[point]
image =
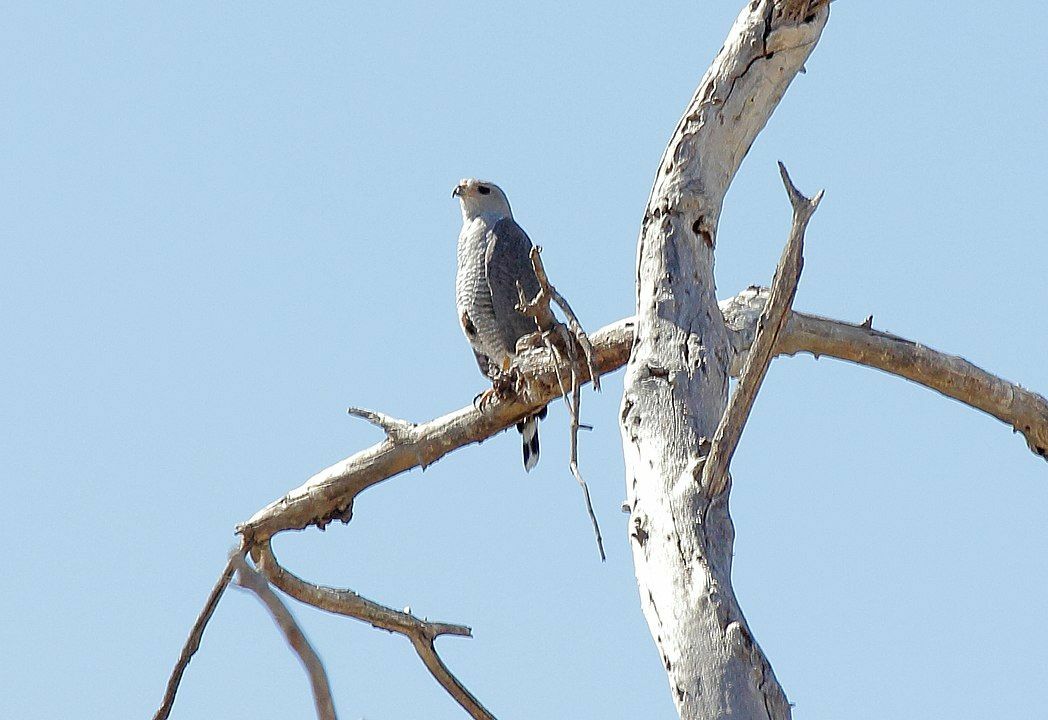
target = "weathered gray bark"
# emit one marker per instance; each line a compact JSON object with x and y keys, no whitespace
{"x":677,"y":377}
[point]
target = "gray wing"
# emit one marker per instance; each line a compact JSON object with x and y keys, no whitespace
{"x":508,"y":262}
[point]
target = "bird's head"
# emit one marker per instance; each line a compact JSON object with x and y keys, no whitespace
{"x":480,"y":197}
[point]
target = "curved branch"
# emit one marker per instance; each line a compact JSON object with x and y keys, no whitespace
{"x":950,"y":375}
{"x":249,"y":579}
{"x":1025,"y":411}
{"x":420,"y":632}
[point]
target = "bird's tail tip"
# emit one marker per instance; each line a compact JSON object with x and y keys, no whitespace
{"x":529,"y":432}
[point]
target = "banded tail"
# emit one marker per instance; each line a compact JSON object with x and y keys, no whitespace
{"x":529,"y":431}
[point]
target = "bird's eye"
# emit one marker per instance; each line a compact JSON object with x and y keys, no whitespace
{"x":483,"y":189}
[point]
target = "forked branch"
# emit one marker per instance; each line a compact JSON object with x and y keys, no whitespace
{"x":420,"y":632}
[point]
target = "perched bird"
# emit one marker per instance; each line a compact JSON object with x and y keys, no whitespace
{"x":493,"y":257}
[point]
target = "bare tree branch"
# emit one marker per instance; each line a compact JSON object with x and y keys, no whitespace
{"x":397,"y":430}
{"x":772,"y":319}
{"x":329,"y":494}
{"x":1026,"y":412}
{"x":247,"y":578}
{"x":420,"y":632}
{"x":196,"y":633}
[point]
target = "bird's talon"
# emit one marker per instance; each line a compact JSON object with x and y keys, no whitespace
{"x":484,"y":399}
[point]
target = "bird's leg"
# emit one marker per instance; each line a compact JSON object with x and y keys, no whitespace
{"x":513,"y":382}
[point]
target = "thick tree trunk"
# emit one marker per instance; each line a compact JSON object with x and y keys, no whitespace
{"x":677,"y":379}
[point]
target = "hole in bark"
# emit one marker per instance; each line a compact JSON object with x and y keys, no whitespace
{"x":699,"y":228}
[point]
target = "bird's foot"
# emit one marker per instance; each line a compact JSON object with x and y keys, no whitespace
{"x":506,"y":385}
{"x":512,"y":383}
{"x":484,"y":399}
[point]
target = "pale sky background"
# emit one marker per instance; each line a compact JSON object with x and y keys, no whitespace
{"x":221,"y":224}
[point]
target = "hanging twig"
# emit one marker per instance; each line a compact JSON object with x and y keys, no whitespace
{"x":573,"y":462}
{"x":196,"y":633}
{"x":571,"y":335}
{"x":249,"y":579}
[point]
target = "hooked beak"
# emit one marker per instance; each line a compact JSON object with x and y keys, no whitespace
{"x":457,"y":192}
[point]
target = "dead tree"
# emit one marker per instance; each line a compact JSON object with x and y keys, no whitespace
{"x":679,"y":427}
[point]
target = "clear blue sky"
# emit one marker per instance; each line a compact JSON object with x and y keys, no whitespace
{"x":222,"y":224}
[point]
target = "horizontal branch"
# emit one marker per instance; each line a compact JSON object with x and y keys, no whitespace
{"x":329,"y":494}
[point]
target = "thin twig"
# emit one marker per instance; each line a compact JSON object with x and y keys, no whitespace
{"x":783,"y":290}
{"x":573,"y":462}
{"x":196,"y":633}
{"x":571,"y":335}
{"x":546,"y":288}
{"x":249,"y":579}
{"x":421,"y":632}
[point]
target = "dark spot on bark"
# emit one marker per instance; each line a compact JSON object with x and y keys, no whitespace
{"x":627,"y":405}
{"x":699,"y":228}
{"x":658,"y":372}
{"x":639,"y":533}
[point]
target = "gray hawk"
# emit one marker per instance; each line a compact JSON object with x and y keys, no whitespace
{"x":493,"y":257}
